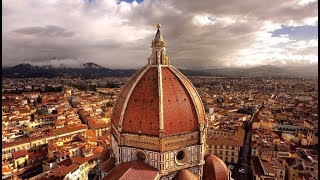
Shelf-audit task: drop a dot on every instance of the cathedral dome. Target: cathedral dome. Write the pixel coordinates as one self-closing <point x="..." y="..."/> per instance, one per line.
<point x="214" y="168"/>
<point x="158" y="99"/>
<point x="185" y="175"/>
<point x="158" y="125"/>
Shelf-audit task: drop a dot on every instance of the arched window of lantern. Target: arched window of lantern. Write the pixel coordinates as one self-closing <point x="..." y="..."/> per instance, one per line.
<point x="156" y="57"/>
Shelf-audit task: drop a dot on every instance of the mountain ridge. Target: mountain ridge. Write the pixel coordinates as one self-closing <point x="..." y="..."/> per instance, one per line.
<point x="92" y="70"/>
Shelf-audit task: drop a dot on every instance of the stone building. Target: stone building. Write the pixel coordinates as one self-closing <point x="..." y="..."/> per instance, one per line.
<point x="158" y="126"/>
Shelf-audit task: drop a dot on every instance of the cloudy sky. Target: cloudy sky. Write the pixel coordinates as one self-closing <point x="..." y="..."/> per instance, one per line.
<point x="199" y="34"/>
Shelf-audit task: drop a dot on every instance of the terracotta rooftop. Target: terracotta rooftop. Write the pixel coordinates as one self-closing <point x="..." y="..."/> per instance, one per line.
<point x="69" y="128"/>
<point x="142" y="111"/>
<point x="96" y="124"/>
<point x="108" y="165"/>
<point x="132" y="170"/>
<point x="214" y="168"/>
<point x="62" y="171"/>
<point x="18" y="154"/>
<point x="223" y="140"/>
<point x="105" y="154"/>
<point x="22" y="141"/>
<point x="139" y="102"/>
<point x="6" y="169"/>
<point x="80" y="160"/>
<point x="294" y="163"/>
<point x="37" y="154"/>
<point x="186" y="175"/>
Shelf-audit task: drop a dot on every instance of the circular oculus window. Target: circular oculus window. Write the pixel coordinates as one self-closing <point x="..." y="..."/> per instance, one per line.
<point x="141" y="156"/>
<point x="182" y="157"/>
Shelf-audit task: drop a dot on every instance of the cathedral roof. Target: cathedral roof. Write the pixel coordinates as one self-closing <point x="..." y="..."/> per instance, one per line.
<point x="214" y="168"/>
<point x="108" y="165"/>
<point x="184" y="174"/>
<point x="132" y="170"/>
<point x="158" y="98"/>
<point x="159" y="110"/>
<point x="105" y="154"/>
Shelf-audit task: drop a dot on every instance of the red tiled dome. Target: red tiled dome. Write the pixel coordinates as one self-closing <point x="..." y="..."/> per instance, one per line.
<point x="184" y="174"/>
<point x="158" y="97"/>
<point x="214" y="168"/>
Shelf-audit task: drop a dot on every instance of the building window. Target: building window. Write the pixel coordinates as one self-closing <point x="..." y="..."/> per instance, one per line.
<point x="141" y="156"/>
<point x="156" y="57"/>
<point x="182" y="157"/>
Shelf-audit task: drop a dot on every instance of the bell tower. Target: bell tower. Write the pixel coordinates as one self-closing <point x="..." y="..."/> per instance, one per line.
<point x="158" y="50"/>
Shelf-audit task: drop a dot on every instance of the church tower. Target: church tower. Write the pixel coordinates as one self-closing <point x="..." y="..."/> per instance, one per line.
<point x="158" y="51"/>
<point x="158" y="120"/>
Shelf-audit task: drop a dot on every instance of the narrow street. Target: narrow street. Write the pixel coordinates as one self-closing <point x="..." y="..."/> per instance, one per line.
<point x="245" y="154"/>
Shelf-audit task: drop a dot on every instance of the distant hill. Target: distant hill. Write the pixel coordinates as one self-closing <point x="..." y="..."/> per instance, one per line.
<point x="92" y="70"/>
<point x="260" y="71"/>
<point x="88" y="70"/>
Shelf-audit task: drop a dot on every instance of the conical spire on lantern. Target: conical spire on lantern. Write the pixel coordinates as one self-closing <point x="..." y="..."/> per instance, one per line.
<point x="158" y="37"/>
<point x="158" y="52"/>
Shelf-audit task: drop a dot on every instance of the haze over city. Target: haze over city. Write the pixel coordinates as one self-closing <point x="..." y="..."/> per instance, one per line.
<point x="199" y="34"/>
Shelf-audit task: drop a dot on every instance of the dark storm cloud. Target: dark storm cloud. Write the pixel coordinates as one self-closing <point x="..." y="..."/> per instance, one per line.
<point x="49" y="30"/>
<point x="199" y="34"/>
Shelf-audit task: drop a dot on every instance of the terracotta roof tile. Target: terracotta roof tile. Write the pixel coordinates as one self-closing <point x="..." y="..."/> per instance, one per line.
<point x="185" y="175"/>
<point x="222" y="140"/>
<point x="80" y="160"/>
<point x="18" y="154"/>
<point x="105" y="154"/>
<point x="179" y="114"/>
<point x="37" y="154"/>
<point x="192" y="90"/>
<point x="142" y="112"/>
<point x="62" y="171"/>
<point x="130" y="170"/>
<point x="214" y="168"/>
<point x="121" y="99"/>
<point x="108" y="165"/>
<point x="70" y="128"/>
